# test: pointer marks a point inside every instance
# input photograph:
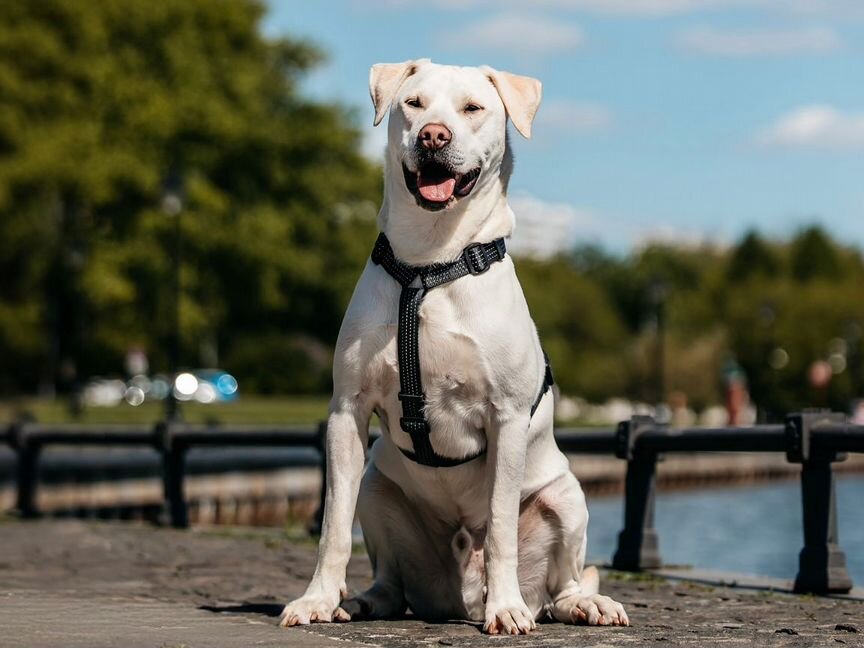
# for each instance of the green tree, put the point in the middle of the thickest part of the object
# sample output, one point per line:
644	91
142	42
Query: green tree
814	255
752	257
579	329
98	102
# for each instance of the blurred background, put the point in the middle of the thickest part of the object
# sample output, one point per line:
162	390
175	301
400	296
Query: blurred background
188	193
177	178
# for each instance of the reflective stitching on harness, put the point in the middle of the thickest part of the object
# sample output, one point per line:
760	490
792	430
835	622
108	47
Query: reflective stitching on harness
475	259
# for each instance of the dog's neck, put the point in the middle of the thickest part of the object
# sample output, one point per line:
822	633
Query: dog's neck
422	237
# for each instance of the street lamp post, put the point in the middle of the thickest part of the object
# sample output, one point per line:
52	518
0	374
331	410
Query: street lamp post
853	345
172	206
768	388
658	293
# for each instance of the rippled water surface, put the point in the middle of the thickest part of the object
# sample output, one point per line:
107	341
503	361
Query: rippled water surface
753	529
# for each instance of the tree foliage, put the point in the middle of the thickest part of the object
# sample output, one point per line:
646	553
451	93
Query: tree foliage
760	300
100	102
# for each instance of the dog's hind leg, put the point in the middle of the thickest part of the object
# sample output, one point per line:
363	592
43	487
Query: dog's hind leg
573	589
411	557
386	596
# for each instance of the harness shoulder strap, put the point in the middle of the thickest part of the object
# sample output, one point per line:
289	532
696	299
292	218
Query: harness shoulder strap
475	259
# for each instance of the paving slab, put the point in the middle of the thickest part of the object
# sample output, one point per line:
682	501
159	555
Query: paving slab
80	584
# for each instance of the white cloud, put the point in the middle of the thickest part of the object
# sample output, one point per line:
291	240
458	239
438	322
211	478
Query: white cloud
643	8
815	127
652	8
679	237
544	229
515	32
647	7
704	40
559	116
824	8
619	7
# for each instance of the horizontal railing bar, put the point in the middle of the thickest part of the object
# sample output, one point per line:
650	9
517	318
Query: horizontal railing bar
45	434
760	438
62	467
586	440
265	438
233	428
839	437
46	428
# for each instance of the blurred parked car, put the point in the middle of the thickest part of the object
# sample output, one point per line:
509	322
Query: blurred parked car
200	386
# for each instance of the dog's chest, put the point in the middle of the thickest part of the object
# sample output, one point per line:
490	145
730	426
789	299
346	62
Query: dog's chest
451	365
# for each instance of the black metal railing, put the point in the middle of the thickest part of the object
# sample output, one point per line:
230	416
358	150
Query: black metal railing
814	439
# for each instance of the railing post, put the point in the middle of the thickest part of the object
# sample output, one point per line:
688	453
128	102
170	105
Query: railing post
318	519
637	542
27	471
173	473
821	563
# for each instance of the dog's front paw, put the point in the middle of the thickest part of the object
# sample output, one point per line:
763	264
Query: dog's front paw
312	609
511	617
594	609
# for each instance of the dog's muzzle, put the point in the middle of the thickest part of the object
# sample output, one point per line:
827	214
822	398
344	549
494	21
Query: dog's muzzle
435	186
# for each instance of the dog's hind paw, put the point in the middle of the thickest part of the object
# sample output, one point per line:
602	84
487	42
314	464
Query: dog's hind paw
355	608
594	609
378	602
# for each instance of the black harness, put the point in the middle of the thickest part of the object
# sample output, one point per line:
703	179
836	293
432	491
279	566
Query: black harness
475	259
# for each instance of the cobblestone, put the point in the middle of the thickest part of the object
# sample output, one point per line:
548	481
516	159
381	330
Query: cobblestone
88	584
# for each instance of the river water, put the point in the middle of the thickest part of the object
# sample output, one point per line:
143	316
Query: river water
752	529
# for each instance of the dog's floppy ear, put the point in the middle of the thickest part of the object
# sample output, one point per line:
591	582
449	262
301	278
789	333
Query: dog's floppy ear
521	97
384	82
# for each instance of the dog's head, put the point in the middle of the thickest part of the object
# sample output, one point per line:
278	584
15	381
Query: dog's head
447	126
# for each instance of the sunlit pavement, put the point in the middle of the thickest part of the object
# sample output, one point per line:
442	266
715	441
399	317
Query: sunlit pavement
72	583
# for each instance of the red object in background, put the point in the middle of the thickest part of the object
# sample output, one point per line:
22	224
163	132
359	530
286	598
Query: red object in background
820	374
737	399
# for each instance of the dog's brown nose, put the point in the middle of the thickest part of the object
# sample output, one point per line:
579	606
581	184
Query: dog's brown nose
434	136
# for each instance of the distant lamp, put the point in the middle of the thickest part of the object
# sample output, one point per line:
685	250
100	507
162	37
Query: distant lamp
779	358
185	386
172	193
172	205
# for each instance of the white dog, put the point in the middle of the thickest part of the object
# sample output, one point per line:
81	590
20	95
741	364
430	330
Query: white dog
468	508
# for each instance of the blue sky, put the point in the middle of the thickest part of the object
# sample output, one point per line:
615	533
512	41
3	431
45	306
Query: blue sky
680	120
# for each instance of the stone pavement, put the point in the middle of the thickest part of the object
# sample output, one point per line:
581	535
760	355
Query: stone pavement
80	584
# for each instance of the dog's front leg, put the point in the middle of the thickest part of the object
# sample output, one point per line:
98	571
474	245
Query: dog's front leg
347	436
506	611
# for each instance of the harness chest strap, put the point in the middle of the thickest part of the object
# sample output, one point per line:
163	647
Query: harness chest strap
475	259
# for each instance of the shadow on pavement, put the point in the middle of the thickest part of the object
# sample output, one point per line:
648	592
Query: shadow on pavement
267	609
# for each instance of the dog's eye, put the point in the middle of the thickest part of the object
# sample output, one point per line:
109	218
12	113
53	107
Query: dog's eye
472	107
414	102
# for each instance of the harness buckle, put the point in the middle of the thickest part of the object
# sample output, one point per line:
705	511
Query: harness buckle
474	258
412	405
416	398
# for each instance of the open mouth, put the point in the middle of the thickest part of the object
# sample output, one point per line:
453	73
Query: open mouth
435	186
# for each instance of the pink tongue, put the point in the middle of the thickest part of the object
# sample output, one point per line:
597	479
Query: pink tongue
437	192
